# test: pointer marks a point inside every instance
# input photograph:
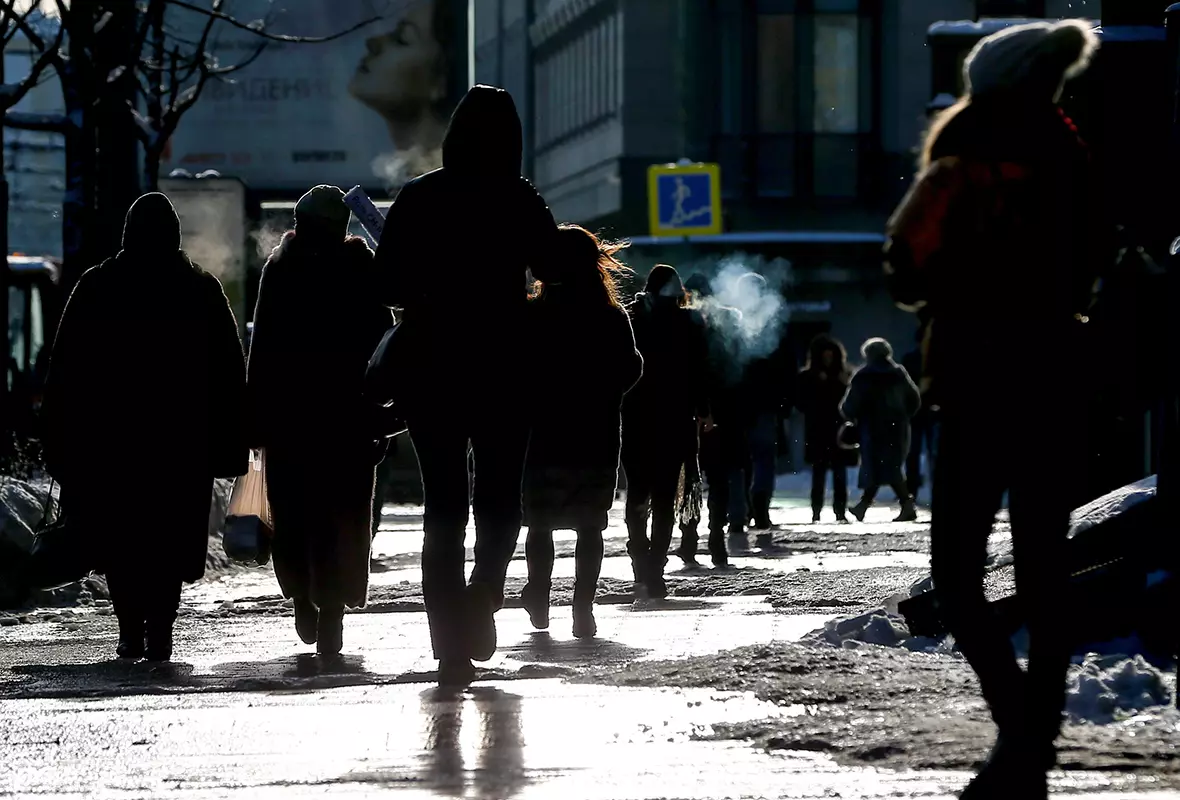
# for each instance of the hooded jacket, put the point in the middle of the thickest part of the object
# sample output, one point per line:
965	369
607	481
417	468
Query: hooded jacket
456	247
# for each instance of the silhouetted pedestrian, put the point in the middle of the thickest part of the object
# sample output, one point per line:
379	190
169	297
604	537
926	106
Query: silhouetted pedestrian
764	397
721	450
145	390
585	360
660	419
1000	239
320	436
881	401
823	382
454	256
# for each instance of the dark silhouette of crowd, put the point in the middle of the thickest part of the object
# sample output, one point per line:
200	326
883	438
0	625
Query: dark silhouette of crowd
526	379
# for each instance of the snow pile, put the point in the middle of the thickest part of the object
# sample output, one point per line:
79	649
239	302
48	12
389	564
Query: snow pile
1105	689
880	627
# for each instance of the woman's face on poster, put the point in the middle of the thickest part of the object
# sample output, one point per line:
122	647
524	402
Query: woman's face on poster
403	71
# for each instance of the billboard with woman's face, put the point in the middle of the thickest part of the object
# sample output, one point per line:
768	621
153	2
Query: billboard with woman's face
369	108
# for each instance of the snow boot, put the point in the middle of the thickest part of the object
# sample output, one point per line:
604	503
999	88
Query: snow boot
130	639
330	631
859	510
689	539
307	620
482	604
717	549
534	597
815	518
908	512
584	625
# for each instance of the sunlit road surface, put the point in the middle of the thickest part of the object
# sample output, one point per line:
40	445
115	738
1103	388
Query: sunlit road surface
246	712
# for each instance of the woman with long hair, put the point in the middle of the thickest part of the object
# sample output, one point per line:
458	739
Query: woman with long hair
660	419
586	358
823	382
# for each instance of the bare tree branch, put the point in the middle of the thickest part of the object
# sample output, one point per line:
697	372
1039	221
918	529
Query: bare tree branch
12	27
259	29
13	93
20	22
19	120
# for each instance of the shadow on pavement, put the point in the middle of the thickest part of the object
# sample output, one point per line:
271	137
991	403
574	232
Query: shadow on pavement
542	647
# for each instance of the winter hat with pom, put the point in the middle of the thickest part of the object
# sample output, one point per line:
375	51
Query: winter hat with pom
1035	59
323	208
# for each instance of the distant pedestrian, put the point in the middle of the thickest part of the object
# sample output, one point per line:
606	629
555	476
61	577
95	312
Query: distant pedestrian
721	452
1000	239
146	388
881	401
585	361
454	256
309	414
823	383
660	419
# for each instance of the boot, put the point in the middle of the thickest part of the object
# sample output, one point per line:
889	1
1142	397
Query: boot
717	549
482	604
330	631
638	551
307	620
159	641
909	513
815	517
657	589
761	510
687	552
131	644
738	542
1013	769
455	672
535	599
860	509
584	625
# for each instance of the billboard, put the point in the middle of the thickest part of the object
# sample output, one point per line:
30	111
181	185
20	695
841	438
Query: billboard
367	108
212	215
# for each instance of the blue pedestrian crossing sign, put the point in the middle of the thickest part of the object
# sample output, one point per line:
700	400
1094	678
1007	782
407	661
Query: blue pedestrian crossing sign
684	199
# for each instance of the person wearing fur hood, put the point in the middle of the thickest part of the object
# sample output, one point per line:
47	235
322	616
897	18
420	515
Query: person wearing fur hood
316	324
1000	239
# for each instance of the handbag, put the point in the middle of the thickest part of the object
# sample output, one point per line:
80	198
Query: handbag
60	555
847	445
249	529
380	380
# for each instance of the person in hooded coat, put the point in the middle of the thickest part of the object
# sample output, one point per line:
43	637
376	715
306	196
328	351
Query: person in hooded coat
454	256
881	401
661	416
585	362
822	386
145	391
1000	240
316	323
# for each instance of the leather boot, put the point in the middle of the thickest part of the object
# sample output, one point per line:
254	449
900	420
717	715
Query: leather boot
534	597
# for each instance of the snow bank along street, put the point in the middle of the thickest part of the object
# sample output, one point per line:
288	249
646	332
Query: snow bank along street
789	675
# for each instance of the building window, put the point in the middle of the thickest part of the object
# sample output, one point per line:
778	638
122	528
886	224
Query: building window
776	73
837	74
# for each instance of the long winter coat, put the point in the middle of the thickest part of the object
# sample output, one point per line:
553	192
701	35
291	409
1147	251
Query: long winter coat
585	361
143	408
881	401
819	401
318	320
662	409
454	255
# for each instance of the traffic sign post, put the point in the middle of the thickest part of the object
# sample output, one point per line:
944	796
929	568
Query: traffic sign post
684	199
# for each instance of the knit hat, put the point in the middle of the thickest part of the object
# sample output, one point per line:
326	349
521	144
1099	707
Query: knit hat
1035	59
323	208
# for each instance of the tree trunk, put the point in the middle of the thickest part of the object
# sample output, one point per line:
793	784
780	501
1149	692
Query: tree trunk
118	145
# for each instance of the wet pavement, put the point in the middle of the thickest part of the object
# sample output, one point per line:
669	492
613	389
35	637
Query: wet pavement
245	710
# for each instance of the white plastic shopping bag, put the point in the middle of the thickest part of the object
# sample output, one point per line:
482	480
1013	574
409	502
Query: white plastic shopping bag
249	529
